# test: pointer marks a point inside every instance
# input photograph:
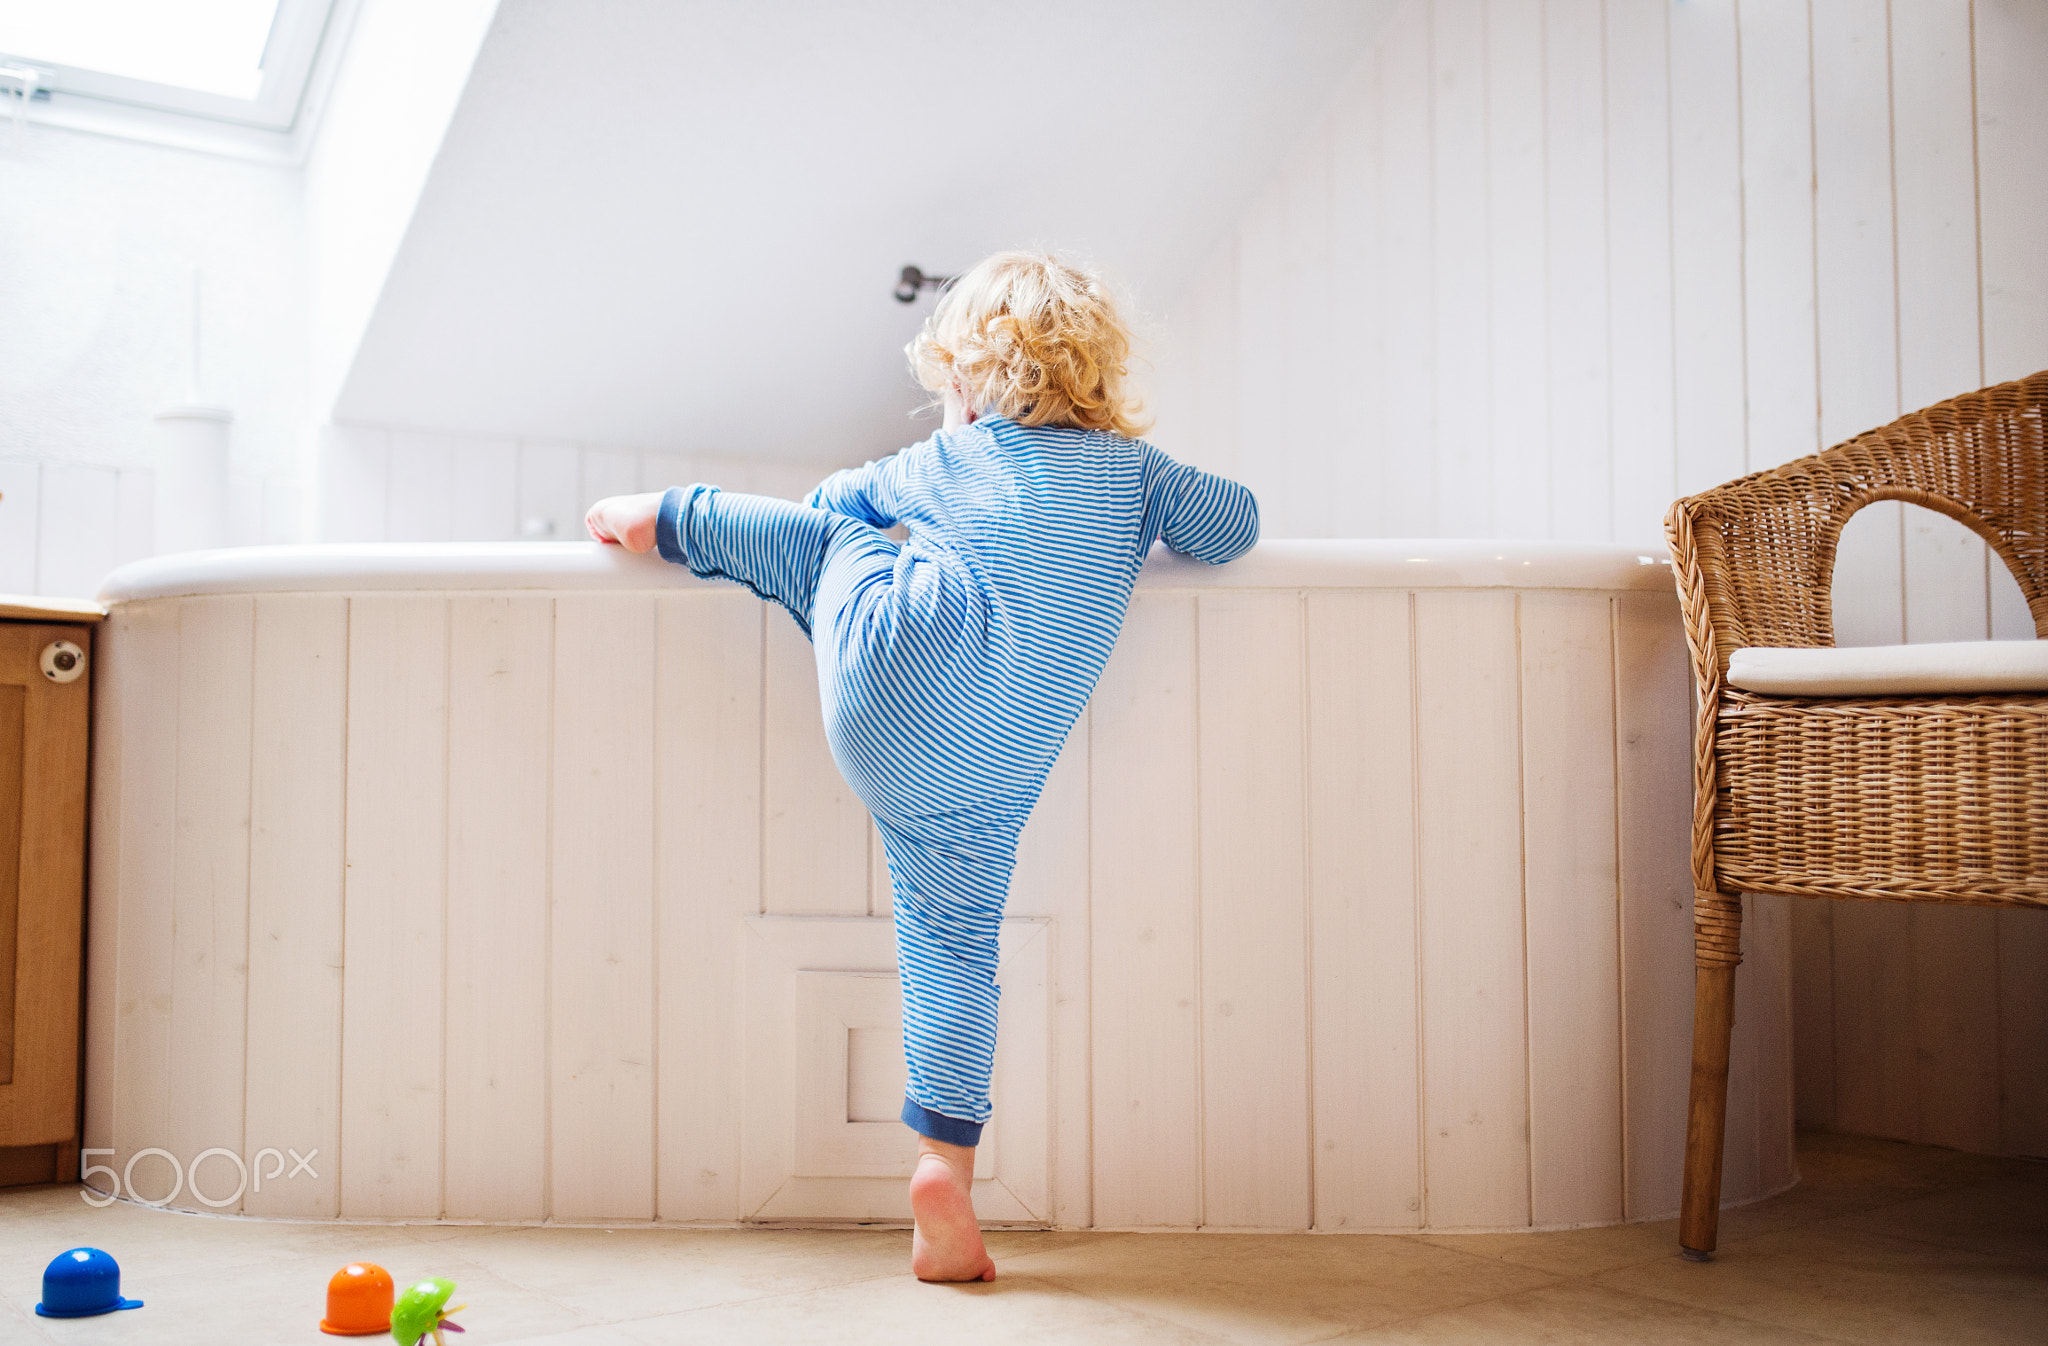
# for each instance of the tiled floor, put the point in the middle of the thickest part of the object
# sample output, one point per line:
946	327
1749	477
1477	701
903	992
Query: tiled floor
1881	1243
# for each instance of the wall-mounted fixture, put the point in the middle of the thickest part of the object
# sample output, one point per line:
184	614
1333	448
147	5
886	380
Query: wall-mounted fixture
914	280
19	84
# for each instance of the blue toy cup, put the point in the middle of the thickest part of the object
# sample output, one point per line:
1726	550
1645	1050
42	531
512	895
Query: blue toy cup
81	1283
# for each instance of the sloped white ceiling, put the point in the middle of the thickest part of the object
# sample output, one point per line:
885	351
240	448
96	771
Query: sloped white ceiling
676	223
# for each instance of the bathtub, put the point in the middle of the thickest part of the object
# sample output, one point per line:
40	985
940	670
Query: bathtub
515	883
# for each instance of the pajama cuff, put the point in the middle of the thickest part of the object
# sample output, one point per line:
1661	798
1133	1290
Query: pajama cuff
668	526
939	1126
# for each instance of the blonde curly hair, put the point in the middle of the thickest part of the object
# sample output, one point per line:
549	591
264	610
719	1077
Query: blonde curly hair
1034	339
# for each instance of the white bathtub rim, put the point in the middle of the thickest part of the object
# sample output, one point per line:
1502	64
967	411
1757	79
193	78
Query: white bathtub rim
1374	563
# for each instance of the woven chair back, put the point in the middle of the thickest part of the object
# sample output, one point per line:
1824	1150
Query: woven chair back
1764	545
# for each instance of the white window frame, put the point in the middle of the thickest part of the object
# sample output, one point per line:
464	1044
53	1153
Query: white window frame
298	61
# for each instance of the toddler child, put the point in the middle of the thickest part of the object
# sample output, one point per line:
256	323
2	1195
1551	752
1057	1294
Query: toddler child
952	665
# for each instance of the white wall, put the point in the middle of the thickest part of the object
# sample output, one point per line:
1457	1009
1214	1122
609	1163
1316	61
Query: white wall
397	485
401	75
98	239
1540	269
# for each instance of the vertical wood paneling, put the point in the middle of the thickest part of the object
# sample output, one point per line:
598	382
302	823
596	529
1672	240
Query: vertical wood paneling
1955	998
601	934
394	910
815	848
1653	777
1052	881
420	500
707	762
2022	1028
244	509
1361	763
352	470
1222	958
1574	926
1940	347
1857	296
1575	201
485	485
1474	1034
1407	270
607	472
2010	617
2012	184
1706	243
1143	875
1358	346
1869	587
80	507
1943	574
1778	98
550	507
1813	1010
135	516
1777	1114
1639	269
1254	949
283	521
1876	1066
793	481
296	786
1165	379
210	885
1518	450
659	471
881	887
148	727
1854	218
1216	369
1263	413
1311	369
500	674
1458	187
1935	183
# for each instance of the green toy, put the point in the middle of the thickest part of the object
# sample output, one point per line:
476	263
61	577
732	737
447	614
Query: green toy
419	1312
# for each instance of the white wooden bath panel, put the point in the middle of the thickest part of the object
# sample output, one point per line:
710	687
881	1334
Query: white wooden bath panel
516	882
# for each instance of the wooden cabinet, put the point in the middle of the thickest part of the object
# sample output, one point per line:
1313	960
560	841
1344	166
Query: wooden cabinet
45	699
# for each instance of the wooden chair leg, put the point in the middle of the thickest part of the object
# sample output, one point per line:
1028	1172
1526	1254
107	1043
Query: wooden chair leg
1717	934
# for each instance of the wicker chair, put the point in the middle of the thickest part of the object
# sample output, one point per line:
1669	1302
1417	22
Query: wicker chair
1899	798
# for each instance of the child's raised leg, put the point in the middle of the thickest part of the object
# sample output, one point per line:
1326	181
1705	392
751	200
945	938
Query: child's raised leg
777	548
947	1245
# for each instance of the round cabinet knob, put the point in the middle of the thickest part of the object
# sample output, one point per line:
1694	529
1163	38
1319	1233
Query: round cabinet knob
63	661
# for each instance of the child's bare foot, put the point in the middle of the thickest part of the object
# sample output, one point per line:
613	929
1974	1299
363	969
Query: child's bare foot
625	519
947	1245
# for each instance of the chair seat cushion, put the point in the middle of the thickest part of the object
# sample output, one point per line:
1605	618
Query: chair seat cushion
1969	667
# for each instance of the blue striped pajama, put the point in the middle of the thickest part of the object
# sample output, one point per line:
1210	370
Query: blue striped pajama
952	666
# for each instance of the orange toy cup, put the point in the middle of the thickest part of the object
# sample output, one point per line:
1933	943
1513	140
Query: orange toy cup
358	1301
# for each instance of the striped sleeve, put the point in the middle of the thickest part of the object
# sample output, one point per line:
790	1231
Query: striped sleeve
1212	518
865	493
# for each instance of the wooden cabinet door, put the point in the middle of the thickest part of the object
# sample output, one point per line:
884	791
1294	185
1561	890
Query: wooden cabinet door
42	884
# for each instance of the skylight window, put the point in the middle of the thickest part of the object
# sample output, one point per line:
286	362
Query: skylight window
215	46
242	61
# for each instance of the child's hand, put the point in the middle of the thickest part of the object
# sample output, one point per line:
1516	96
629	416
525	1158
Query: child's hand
625	519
